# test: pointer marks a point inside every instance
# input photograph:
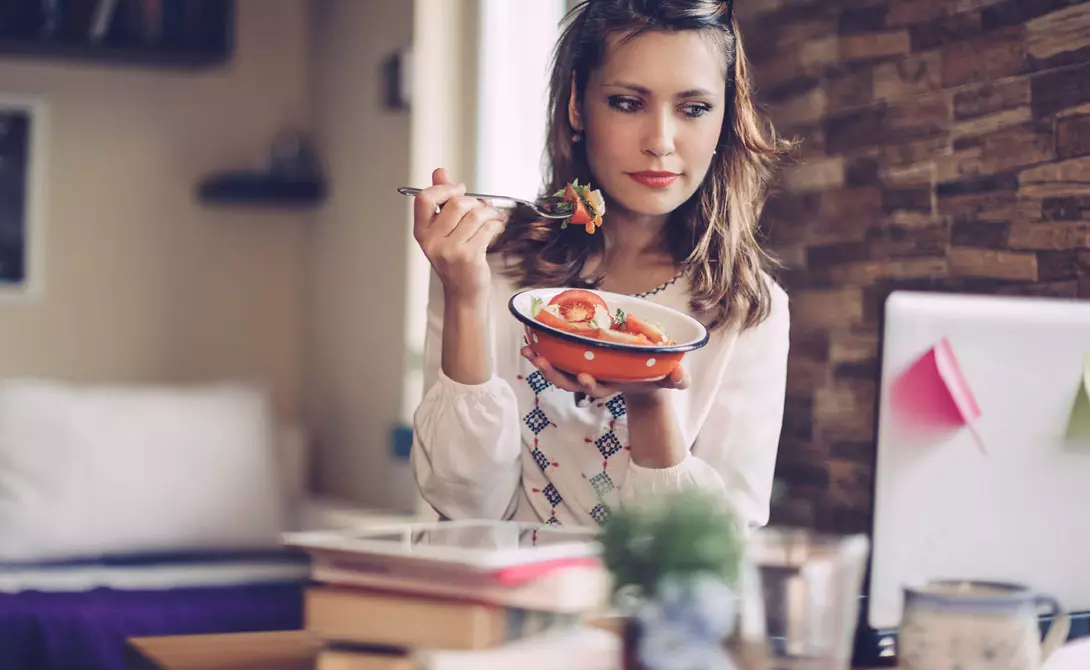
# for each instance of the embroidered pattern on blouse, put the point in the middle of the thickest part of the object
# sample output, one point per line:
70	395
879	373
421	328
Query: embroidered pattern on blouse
539	457
601	513
536	419
607	445
538	383
601	483
553	496
616	406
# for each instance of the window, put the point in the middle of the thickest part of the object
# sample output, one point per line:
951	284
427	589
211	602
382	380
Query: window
516	44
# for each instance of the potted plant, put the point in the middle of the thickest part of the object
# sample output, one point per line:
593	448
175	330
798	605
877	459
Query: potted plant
676	562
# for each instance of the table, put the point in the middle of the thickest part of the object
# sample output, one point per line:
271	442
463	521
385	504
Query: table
278	650
281	650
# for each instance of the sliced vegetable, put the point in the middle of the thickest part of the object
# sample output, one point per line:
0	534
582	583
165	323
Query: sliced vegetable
551	318
653	332
580	217
578	304
624	337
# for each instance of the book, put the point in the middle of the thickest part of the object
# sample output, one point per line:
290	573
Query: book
370	617
437	571
577	588
335	658
572	649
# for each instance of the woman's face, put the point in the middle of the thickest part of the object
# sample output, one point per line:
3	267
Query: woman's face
651	116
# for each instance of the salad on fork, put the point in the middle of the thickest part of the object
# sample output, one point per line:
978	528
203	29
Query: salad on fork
576	205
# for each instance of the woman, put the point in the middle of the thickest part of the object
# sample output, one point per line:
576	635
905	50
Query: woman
650	103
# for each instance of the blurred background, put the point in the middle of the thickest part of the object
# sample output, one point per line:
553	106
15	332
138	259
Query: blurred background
198	190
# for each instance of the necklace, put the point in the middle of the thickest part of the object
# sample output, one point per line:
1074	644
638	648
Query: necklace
660	288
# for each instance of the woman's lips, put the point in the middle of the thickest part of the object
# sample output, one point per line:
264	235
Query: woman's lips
654	179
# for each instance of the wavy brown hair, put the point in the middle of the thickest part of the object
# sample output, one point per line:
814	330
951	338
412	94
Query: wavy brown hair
713	236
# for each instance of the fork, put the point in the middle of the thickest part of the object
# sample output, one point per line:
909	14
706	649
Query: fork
550	201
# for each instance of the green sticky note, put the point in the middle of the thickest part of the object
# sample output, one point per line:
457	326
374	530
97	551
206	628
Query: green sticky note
1078	425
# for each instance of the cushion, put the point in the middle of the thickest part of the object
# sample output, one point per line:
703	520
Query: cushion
93	471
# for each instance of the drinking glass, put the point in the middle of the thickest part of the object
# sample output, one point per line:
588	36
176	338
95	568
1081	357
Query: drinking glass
799	605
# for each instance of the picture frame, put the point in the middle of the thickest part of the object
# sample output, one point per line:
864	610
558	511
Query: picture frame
23	139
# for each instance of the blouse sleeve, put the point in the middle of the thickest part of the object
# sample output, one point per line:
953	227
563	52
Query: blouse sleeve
735	452
466	442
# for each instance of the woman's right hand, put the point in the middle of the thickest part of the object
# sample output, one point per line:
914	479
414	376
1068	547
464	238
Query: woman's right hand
454	232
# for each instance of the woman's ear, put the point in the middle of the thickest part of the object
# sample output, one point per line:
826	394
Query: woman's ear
575	117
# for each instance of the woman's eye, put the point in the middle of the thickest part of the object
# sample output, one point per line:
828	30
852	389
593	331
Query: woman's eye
694	111
624	104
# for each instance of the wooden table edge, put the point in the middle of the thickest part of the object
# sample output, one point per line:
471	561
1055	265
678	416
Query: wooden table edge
267	650
271	650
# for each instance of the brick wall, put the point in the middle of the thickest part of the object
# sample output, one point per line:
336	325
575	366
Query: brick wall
946	146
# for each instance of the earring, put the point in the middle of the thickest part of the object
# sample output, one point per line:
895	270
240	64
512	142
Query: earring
577	136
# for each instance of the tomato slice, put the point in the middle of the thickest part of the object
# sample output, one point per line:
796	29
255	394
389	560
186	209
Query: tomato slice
580	216
577	304
584	328
623	337
635	324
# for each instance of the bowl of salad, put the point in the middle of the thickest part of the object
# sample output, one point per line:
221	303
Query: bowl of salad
610	336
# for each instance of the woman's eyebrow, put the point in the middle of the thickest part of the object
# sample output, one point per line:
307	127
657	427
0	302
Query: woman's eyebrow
643	90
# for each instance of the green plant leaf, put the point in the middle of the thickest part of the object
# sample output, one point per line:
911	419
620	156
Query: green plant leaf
621	319
679	534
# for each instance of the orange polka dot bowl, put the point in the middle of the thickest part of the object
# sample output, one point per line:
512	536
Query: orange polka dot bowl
610	336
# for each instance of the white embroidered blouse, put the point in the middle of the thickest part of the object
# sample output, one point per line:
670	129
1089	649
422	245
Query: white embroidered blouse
516	447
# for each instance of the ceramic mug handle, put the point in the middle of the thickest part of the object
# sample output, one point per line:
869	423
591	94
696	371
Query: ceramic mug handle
1058	631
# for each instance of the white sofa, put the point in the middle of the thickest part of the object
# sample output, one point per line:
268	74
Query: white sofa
102	470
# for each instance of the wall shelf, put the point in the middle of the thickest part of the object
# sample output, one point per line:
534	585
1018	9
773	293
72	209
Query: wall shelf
155	57
259	188
180	34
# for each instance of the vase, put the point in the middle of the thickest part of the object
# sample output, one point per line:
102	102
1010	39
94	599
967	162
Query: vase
630	657
684	625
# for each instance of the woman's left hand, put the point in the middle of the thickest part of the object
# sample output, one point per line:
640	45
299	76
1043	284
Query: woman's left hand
677	380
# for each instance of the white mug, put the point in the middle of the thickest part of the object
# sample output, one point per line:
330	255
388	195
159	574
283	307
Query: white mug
972	625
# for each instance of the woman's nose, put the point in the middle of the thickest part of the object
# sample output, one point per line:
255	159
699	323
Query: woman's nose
659	138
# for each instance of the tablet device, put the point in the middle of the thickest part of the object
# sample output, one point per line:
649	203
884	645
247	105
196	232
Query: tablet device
471	545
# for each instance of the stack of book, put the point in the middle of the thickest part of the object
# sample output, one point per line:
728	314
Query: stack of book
457	595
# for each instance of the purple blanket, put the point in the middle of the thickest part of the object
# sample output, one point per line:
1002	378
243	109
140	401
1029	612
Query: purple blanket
87	630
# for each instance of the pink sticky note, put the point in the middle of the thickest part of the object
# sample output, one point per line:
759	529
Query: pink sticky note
932	395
